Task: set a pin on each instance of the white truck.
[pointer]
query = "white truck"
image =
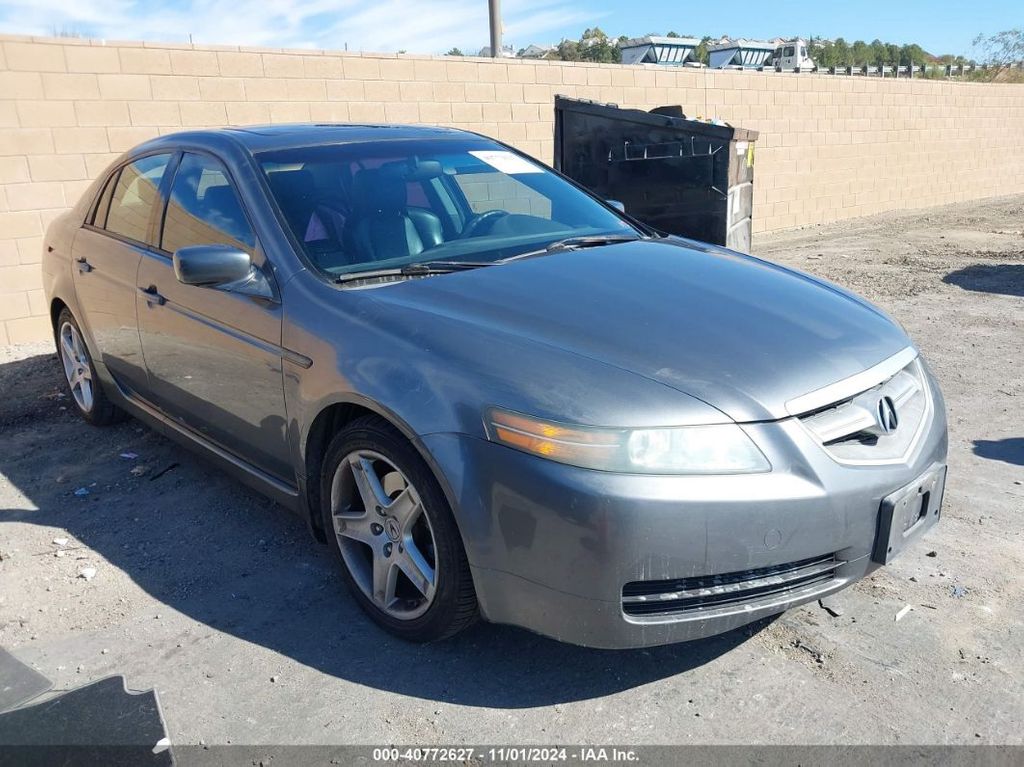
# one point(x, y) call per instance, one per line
point(792, 54)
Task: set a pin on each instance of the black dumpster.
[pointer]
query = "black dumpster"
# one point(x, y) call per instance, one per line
point(681, 176)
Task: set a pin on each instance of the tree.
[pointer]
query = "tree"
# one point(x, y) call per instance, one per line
point(1001, 50)
point(701, 51)
point(569, 50)
point(673, 34)
point(455, 52)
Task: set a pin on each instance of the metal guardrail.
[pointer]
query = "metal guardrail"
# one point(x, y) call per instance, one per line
point(946, 70)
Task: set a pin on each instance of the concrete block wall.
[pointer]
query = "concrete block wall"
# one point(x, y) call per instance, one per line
point(830, 147)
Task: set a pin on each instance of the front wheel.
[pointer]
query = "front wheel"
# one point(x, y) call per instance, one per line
point(390, 525)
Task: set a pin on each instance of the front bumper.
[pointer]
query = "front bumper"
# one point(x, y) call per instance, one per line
point(552, 546)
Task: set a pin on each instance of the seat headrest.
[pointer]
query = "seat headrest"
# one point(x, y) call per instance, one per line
point(379, 190)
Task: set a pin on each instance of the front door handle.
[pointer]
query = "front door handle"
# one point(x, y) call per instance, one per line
point(152, 296)
point(84, 266)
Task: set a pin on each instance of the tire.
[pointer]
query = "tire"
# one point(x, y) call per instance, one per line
point(76, 360)
point(391, 537)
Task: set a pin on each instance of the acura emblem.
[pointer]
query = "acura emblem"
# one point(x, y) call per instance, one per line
point(887, 419)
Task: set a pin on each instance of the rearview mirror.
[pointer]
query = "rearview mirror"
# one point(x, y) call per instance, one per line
point(618, 205)
point(220, 266)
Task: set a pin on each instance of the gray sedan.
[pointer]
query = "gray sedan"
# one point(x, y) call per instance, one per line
point(490, 393)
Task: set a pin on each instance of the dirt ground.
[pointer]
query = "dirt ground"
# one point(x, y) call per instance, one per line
point(222, 602)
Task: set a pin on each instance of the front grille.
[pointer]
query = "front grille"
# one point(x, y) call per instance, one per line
point(711, 592)
point(849, 431)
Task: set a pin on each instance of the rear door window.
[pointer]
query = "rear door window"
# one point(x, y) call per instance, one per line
point(204, 208)
point(134, 196)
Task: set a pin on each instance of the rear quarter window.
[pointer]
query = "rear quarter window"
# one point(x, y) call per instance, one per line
point(134, 196)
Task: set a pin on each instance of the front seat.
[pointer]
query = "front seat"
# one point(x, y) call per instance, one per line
point(383, 226)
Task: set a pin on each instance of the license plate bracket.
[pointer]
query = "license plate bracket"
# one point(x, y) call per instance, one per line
point(906, 514)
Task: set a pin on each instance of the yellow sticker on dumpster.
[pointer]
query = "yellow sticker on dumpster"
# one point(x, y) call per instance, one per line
point(750, 156)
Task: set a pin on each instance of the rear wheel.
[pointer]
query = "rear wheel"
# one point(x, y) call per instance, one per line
point(80, 374)
point(391, 527)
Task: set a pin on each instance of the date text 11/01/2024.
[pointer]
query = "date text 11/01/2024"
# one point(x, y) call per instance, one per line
point(503, 754)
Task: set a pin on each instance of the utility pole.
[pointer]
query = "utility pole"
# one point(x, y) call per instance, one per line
point(494, 6)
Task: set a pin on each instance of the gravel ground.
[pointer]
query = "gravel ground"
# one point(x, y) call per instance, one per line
point(221, 601)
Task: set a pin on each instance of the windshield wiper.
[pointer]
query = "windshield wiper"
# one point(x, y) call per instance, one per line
point(418, 269)
point(575, 243)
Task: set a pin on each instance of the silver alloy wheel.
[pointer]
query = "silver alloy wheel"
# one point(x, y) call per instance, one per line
point(77, 368)
point(384, 534)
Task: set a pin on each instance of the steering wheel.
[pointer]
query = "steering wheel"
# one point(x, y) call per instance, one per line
point(479, 220)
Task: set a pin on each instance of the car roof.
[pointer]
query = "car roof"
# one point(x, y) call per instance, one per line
point(262, 138)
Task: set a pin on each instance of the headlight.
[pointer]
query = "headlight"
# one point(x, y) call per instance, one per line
point(718, 449)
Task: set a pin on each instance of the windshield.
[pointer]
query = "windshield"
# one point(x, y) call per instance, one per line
point(381, 205)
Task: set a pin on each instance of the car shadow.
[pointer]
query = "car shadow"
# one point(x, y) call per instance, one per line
point(1009, 450)
point(206, 546)
point(1006, 279)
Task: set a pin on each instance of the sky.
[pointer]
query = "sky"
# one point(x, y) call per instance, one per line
point(435, 26)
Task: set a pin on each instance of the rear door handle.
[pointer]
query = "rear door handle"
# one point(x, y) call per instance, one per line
point(152, 296)
point(83, 266)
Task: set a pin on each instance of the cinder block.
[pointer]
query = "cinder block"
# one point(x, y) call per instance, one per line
point(21, 85)
point(283, 65)
point(462, 113)
point(462, 71)
point(46, 114)
point(326, 67)
point(429, 70)
point(145, 61)
point(29, 329)
point(34, 196)
point(366, 112)
point(57, 167)
point(60, 85)
point(346, 90)
point(480, 93)
point(93, 59)
point(435, 113)
point(450, 92)
point(30, 250)
point(238, 64)
point(14, 170)
point(357, 68)
point(248, 113)
point(145, 113)
point(329, 112)
point(14, 306)
point(125, 87)
point(37, 302)
point(122, 139)
point(397, 69)
point(18, 279)
point(175, 87)
point(203, 113)
point(105, 113)
point(34, 57)
point(415, 91)
point(402, 112)
point(521, 73)
point(17, 141)
point(289, 112)
point(199, 63)
point(221, 89)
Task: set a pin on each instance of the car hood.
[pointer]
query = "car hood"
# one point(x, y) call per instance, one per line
point(741, 334)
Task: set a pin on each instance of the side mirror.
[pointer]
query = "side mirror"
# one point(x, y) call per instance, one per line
point(618, 205)
point(220, 266)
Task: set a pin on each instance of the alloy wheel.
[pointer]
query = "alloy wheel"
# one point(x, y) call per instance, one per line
point(77, 368)
point(384, 534)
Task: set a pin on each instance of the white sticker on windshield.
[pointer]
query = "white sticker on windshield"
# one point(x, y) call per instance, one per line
point(507, 162)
